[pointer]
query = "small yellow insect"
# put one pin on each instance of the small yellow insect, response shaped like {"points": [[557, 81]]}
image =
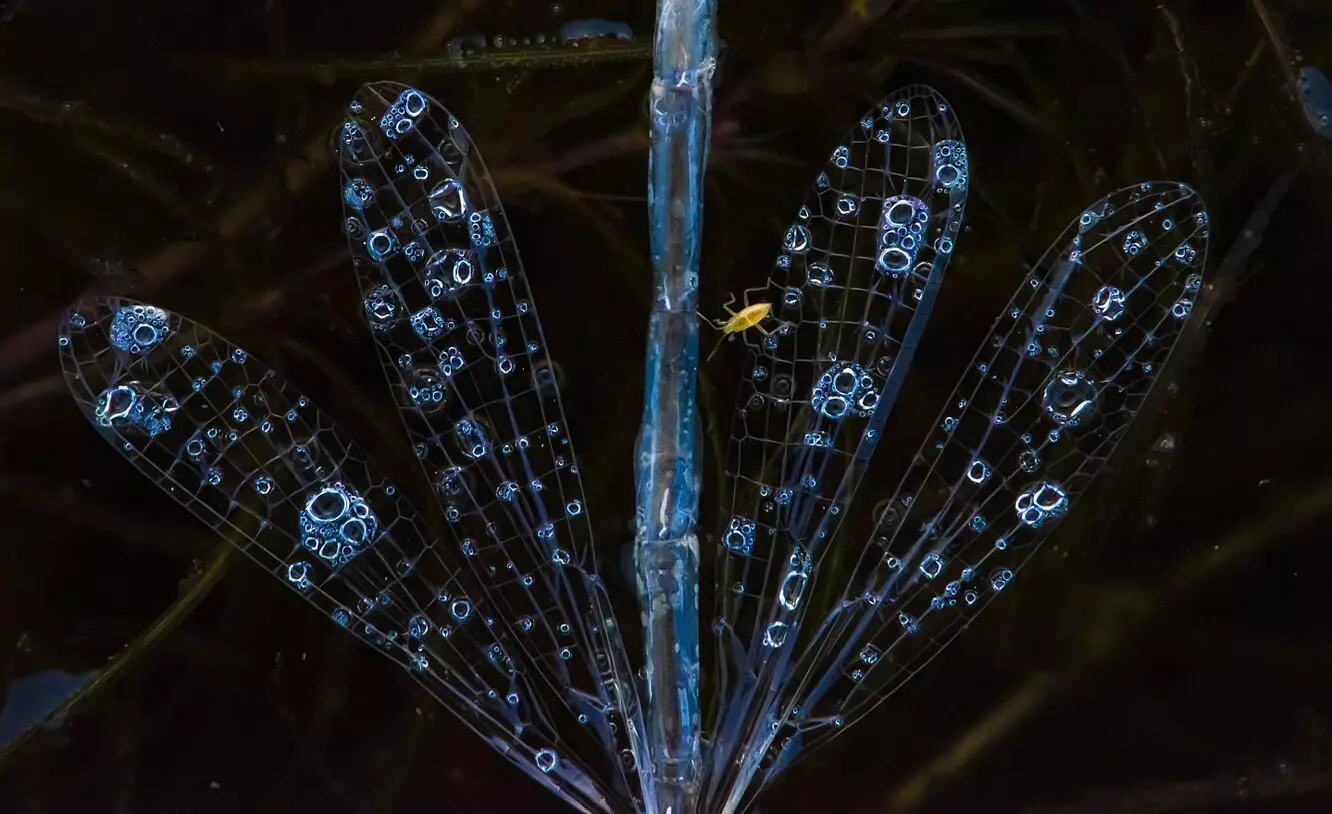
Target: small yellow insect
{"points": [[748, 317], [739, 321]]}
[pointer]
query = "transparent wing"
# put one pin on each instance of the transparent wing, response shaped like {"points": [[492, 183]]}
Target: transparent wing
{"points": [[448, 304], [1039, 411], [852, 288], [238, 446]]}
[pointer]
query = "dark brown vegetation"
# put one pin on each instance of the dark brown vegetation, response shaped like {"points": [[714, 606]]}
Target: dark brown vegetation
{"points": [[1168, 650]]}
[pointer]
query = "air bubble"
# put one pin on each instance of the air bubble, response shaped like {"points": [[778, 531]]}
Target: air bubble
{"points": [[1068, 398]]}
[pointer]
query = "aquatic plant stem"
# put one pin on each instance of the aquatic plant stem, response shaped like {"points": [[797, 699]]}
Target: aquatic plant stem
{"points": [[211, 574], [330, 69], [667, 465]]}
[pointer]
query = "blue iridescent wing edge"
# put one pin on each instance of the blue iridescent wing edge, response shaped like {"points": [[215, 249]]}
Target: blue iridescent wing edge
{"points": [[1039, 411], [852, 288], [245, 452], [447, 301]]}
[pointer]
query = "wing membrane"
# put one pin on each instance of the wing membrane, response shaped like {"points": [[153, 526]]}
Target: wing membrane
{"points": [[447, 301], [1039, 411], [243, 450], [853, 286]]}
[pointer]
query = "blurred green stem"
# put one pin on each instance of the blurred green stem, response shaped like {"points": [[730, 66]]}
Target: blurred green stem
{"points": [[385, 66], [211, 574], [79, 116]]}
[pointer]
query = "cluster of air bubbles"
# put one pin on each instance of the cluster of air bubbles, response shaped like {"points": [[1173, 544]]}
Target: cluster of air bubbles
{"points": [[819, 439], [448, 272], [844, 388], [428, 323], [381, 308], [132, 406], [1108, 303], [451, 482], [1041, 502], [337, 523], [450, 361], [950, 164], [354, 140], [507, 491], [358, 193], [1184, 305], [471, 438], [138, 328], [1068, 398], [401, 116], [418, 627], [427, 389], [901, 233], [739, 536], [1134, 242], [481, 229], [1092, 216]]}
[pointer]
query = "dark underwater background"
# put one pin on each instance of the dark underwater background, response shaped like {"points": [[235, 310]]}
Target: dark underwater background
{"points": [[1167, 651]]}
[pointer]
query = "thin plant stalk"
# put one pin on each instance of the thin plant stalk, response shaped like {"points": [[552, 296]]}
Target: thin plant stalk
{"points": [[668, 458]]}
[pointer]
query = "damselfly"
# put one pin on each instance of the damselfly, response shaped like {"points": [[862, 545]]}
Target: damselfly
{"points": [[498, 612]]}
